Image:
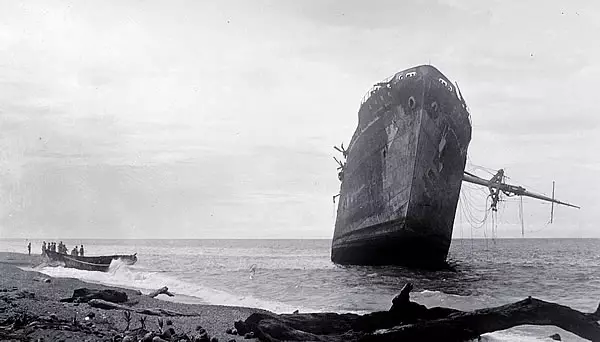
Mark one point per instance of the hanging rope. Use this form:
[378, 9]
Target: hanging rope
[521, 216]
[333, 212]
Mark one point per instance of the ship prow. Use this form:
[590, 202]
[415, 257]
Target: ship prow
[402, 172]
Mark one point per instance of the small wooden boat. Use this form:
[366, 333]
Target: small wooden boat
[91, 263]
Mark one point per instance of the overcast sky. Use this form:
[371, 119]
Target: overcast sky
[173, 119]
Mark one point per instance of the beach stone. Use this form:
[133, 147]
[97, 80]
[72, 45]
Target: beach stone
[241, 327]
[203, 337]
[168, 333]
[148, 337]
[555, 337]
[229, 331]
[158, 339]
[128, 339]
[198, 327]
[214, 339]
[169, 322]
[249, 335]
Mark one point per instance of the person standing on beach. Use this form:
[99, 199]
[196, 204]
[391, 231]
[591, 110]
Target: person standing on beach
[44, 248]
[29, 248]
[81, 250]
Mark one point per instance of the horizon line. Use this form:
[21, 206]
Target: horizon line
[234, 239]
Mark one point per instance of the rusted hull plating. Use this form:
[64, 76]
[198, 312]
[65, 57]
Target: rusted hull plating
[403, 173]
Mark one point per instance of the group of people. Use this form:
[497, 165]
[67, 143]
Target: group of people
[61, 248]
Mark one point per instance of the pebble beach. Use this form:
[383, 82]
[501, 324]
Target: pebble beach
[34, 298]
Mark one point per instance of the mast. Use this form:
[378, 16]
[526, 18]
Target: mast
[497, 184]
[552, 210]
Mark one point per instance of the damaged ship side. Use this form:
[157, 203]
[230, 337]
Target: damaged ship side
[403, 173]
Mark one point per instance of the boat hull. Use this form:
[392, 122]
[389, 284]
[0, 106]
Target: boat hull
[403, 173]
[93, 263]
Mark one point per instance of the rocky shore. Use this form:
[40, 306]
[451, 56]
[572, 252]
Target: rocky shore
[31, 310]
[35, 307]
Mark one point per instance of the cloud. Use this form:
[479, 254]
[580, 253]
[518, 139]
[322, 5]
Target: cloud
[218, 120]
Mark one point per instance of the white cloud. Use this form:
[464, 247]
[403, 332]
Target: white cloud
[218, 120]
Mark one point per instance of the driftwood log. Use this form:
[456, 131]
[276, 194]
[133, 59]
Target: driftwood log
[107, 299]
[162, 290]
[102, 304]
[409, 321]
[84, 295]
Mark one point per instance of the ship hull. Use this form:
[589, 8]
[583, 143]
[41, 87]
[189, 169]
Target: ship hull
[403, 173]
[392, 243]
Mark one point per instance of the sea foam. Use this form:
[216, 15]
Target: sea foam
[126, 276]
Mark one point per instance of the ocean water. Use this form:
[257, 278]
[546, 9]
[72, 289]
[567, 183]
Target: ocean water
[285, 275]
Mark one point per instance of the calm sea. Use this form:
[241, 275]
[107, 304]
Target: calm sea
[285, 275]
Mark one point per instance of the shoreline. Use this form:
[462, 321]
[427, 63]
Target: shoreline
[28, 292]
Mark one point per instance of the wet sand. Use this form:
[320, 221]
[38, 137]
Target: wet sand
[28, 292]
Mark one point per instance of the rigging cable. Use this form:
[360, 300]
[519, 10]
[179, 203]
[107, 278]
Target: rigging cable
[521, 216]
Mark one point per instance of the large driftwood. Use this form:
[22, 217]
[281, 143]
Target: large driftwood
[83, 295]
[162, 290]
[461, 326]
[101, 304]
[409, 321]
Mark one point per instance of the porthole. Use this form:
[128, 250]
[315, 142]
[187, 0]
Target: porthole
[411, 74]
[412, 103]
[443, 82]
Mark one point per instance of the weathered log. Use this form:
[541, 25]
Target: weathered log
[409, 321]
[162, 290]
[461, 326]
[84, 295]
[101, 304]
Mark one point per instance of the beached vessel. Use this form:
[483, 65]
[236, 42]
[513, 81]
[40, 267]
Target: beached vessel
[89, 263]
[402, 171]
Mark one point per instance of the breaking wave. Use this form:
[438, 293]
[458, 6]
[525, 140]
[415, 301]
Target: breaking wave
[126, 276]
